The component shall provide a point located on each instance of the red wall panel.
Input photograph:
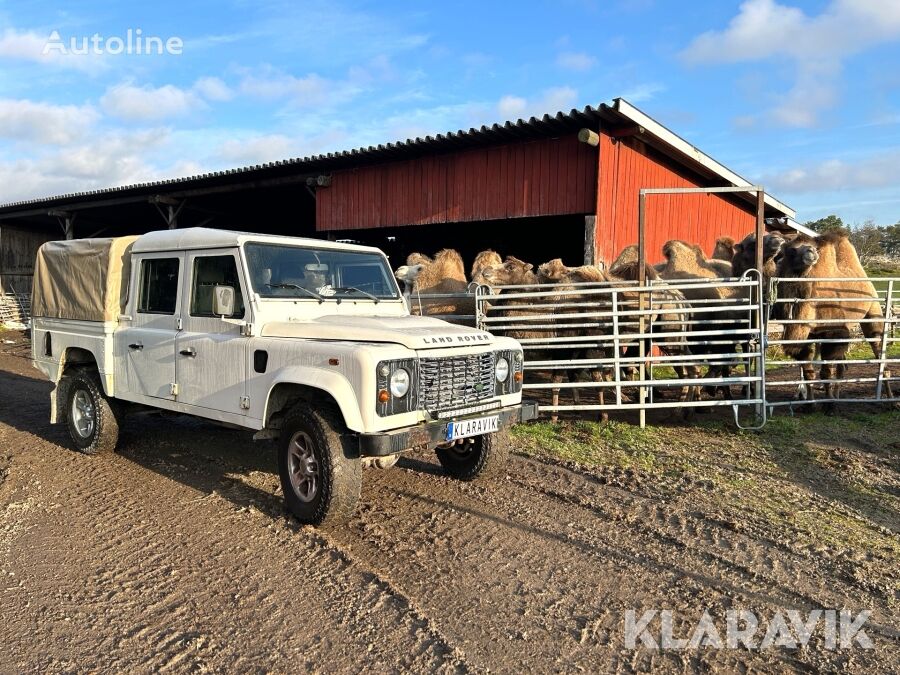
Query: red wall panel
(553, 176)
(625, 167)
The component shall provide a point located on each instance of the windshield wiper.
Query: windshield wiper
(350, 289)
(299, 288)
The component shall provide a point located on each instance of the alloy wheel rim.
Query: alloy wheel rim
(83, 414)
(303, 467)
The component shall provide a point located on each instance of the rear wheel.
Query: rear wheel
(90, 417)
(320, 475)
(484, 456)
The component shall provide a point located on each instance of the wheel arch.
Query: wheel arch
(329, 389)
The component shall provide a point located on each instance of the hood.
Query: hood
(414, 332)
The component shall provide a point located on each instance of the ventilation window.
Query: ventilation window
(48, 344)
(260, 360)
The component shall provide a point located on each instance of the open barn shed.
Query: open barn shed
(495, 187)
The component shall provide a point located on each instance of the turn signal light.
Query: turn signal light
(384, 396)
(518, 377)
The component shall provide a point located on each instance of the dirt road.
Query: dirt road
(175, 555)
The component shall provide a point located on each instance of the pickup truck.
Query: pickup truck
(304, 341)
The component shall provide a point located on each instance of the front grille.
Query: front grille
(455, 381)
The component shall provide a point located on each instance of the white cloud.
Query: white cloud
(102, 159)
(578, 61)
(24, 120)
(643, 92)
(213, 89)
(310, 90)
(133, 103)
(875, 171)
(256, 149)
(511, 107)
(550, 102)
(817, 46)
(29, 46)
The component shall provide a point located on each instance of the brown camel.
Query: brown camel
(443, 274)
(724, 249)
(488, 258)
(830, 255)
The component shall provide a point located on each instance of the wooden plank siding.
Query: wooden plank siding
(553, 176)
(626, 166)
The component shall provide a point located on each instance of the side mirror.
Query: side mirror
(223, 300)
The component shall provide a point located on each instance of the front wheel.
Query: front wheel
(90, 418)
(482, 456)
(320, 478)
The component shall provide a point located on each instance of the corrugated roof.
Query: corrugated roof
(534, 127)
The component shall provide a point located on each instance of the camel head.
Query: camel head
(745, 252)
(552, 271)
(512, 272)
(675, 249)
(484, 259)
(724, 249)
(798, 257)
(408, 274)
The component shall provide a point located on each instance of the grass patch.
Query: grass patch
(825, 482)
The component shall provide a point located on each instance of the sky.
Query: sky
(801, 96)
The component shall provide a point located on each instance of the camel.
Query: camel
(445, 273)
(829, 255)
(488, 258)
(724, 249)
(629, 255)
(684, 261)
(745, 254)
(554, 271)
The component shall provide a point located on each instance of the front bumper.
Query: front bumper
(431, 434)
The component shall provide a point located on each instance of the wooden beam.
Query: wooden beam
(590, 240)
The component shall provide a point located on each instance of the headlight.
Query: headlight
(399, 382)
(501, 369)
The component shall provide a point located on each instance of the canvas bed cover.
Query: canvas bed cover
(82, 279)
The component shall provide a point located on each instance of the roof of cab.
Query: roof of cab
(203, 237)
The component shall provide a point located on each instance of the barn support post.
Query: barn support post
(590, 240)
(642, 281)
(66, 222)
(173, 208)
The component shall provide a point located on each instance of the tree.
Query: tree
(866, 239)
(890, 241)
(827, 224)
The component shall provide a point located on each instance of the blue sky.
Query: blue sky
(802, 96)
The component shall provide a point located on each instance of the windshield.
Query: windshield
(278, 271)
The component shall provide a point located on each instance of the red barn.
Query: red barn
(529, 188)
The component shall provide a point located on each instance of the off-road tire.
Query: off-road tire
(486, 457)
(339, 467)
(105, 433)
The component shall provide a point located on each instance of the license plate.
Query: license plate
(475, 427)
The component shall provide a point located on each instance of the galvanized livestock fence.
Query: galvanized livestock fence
(864, 351)
(682, 345)
(627, 346)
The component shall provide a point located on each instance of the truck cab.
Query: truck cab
(304, 341)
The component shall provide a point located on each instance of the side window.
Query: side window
(159, 286)
(209, 272)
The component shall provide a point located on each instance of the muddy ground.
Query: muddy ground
(175, 554)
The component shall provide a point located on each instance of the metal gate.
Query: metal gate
(626, 346)
(871, 364)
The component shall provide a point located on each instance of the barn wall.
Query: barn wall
(554, 176)
(18, 249)
(627, 166)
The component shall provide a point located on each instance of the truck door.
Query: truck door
(148, 345)
(211, 353)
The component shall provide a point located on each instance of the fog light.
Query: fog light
(384, 396)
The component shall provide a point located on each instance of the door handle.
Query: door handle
(135, 345)
(190, 351)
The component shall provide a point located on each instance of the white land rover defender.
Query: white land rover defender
(302, 340)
